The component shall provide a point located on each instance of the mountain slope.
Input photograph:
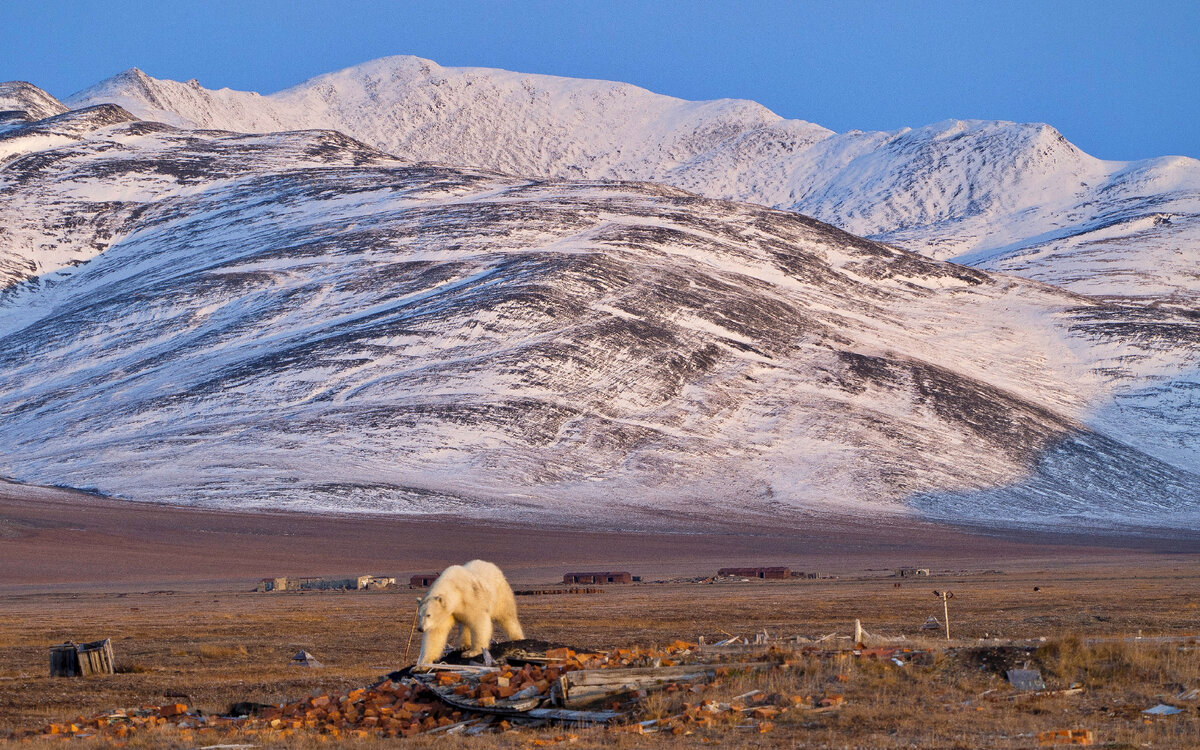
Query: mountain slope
(22, 102)
(298, 320)
(1002, 195)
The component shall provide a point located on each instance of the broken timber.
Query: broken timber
(527, 707)
(585, 687)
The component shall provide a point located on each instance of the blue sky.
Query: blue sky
(1118, 79)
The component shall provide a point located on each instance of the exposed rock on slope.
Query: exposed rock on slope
(298, 320)
(1001, 195)
(22, 102)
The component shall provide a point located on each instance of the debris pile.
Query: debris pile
(1067, 737)
(550, 686)
(755, 711)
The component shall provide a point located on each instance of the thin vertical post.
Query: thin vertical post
(946, 611)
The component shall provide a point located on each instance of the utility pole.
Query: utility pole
(945, 596)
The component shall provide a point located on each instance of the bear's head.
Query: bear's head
(432, 611)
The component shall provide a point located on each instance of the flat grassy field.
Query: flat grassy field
(187, 628)
(215, 647)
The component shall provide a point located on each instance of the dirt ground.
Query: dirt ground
(171, 588)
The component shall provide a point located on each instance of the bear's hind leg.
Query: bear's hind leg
(511, 627)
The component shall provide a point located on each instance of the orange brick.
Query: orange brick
(172, 709)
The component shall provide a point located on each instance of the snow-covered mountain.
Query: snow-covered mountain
(299, 320)
(22, 102)
(998, 195)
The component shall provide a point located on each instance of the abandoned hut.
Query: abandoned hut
(318, 584)
(422, 580)
(770, 574)
(604, 577)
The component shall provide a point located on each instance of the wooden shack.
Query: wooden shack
(83, 660)
(607, 576)
(422, 580)
(768, 574)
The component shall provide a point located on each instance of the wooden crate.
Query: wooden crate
(83, 660)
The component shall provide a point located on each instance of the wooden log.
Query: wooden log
(499, 708)
(651, 674)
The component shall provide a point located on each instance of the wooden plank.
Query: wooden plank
(584, 688)
(578, 717)
(651, 674)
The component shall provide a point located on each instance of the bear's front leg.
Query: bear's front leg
(433, 644)
(481, 635)
(465, 637)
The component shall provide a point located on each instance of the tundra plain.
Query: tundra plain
(172, 588)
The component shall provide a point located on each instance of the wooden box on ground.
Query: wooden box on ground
(83, 660)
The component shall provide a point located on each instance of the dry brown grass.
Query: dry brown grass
(211, 649)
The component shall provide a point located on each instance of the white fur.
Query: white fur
(473, 595)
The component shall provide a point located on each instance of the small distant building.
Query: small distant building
(769, 574)
(911, 572)
(324, 584)
(422, 580)
(603, 577)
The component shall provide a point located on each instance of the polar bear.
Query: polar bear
(473, 595)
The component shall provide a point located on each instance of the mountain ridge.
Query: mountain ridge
(1008, 196)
